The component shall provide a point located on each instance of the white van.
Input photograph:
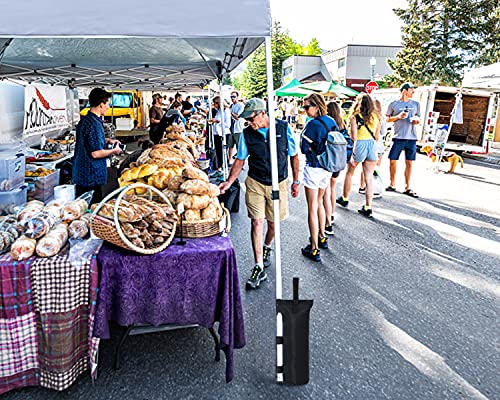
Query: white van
(478, 125)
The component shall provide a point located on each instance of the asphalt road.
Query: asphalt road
(406, 306)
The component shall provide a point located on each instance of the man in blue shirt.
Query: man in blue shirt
(89, 163)
(405, 114)
(254, 145)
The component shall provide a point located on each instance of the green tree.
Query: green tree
(227, 80)
(443, 37)
(312, 48)
(282, 46)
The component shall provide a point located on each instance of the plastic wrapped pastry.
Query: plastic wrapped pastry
(192, 215)
(23, 248)
(195, 186)
(194, 173)
(78, 229)
(39, 225)
(53, 242)
(193, 201)
(28, 210)
(74, 209)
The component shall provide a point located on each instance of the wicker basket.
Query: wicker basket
(112, 232)
(205, 228)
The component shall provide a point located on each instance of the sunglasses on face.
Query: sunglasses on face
(306, 106)
(250, 119)
(233, 97)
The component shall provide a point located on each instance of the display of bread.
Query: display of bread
(146, 223)
(198, 196)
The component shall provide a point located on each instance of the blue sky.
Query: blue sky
(337, 23)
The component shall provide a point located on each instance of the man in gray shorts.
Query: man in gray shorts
(405, 113)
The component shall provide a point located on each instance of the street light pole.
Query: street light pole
(373, 63)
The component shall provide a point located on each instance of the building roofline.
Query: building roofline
(361, 45)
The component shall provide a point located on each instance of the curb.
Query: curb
(486, 159)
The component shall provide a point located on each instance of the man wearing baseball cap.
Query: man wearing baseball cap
(405, 114)
(155, 115)
(254, 145)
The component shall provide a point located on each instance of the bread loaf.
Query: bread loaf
(23, 248)
(195, 186)
(194, 173)
(210, 212)
(193, 201)
(192, 215)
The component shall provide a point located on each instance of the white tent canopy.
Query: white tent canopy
(136, 49)
(487, 78)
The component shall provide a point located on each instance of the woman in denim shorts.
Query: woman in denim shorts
(365, 130)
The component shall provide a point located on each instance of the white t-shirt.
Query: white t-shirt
(227, 122)
(239, 124)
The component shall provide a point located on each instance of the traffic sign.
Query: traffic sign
(371, 86)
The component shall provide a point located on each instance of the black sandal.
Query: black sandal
(410, 193)
(390, 189)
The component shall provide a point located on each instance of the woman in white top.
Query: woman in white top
(217, 128)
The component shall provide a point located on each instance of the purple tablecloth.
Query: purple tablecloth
(192, 284)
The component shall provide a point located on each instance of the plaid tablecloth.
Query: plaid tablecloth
(47, 309)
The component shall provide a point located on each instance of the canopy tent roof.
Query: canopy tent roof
(330, 88)
(294, 82)
(179, 50)
(487, 77)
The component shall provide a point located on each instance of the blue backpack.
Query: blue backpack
(334, 158)
(350, 143)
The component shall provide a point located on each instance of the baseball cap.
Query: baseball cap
(407, 85)
(156, 96)
(252, 106)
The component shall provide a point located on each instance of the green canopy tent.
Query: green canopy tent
(294, 82)
(329, 88)
(293, 92)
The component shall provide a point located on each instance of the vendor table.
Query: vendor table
(47, 306)
(192, 284)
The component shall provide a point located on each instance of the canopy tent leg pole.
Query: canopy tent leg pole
(209, 118)
(276, 208)
(225, 169)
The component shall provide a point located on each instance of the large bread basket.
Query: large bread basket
(112, 232)
(205, 228)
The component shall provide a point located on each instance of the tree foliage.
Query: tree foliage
(443, 37)
(283, 46)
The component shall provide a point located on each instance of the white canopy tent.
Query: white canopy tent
(487, 78)
(167, 46)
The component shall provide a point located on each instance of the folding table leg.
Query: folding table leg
(120, 344)
(217, 343)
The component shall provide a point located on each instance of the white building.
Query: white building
(352, 65)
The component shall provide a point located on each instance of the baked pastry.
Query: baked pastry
(195, 186)
(74, 210)
(176, 182)
(193, 201)
(52, 243)
(23, 248)
(192, 215)
(39, 225)
(213, 190)
(194, 173)
(78, 229)
(210, 212)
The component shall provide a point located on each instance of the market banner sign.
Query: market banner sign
(44, 109)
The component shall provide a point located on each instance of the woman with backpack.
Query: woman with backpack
(316, 179)
(365, 130)
(334, 111)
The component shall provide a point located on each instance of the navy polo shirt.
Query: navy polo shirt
(88, 171)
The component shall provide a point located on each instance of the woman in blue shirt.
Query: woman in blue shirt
(316, 179)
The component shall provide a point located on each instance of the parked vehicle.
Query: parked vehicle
(473, 135)
(123, 104)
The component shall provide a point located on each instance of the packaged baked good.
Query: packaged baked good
(75, 209)
(23, 248)
(28, 210)
(195, 186)
(78, 229)
(194, 173)
(39, 225)
(53, 242)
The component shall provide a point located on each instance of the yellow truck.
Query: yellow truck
(123, 104)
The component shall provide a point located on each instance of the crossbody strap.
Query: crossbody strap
(361, 122)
